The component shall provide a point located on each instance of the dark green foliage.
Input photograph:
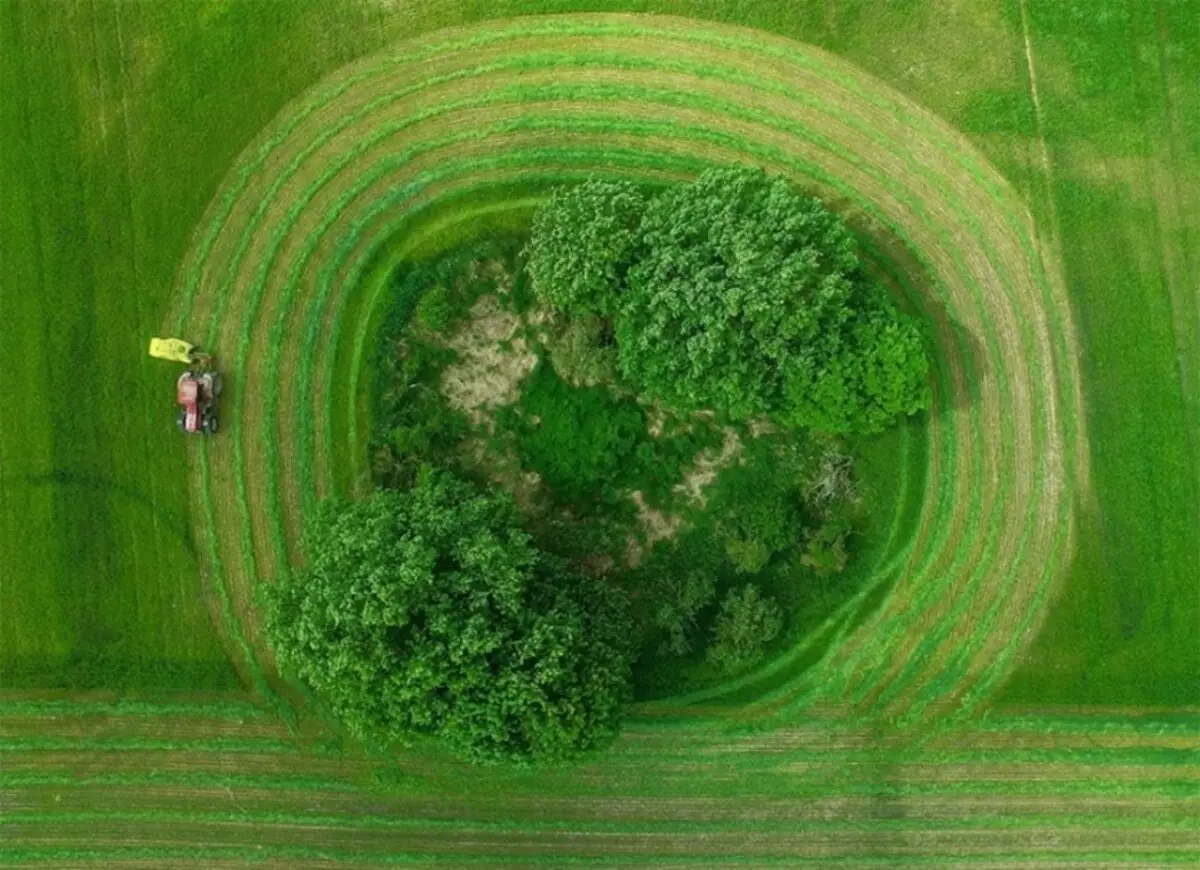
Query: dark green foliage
(430, 612)
(583, 351)
(761, 519)
(583, 241)
(757, 513)
(879, 373)
(590, 446)
(756, 505)
(747, 622)
(825, 547)
(414, 421)
(411, 422)
(681, 596)
(436, 310)
(733, 293)
(739, 277)
(574, 437)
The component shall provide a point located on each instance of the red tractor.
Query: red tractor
(197, 389)
(197, 394)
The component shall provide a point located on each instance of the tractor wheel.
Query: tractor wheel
(216, 385)
(181, 421)
(210, 424)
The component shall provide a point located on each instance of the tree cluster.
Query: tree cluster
(430, 612)
(732, 293)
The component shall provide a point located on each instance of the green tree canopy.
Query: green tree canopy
(747, 622)
(582, 242)
(429, 611)
(733, 293)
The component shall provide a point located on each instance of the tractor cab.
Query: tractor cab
(196, 393)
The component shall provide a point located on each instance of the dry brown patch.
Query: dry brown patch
(709, 463)
(656, 526)
(492, 362)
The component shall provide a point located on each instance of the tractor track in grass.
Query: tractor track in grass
(465, 840)
(298, 805)
(345, 167)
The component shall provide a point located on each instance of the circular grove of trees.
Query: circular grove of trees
(428, 609)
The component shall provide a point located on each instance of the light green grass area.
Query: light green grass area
(1121, 109)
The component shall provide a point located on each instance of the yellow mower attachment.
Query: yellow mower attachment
(177, 350)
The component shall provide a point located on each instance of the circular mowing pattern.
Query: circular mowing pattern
(274, 285)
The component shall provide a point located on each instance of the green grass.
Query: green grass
(1123, 629)
(99, 575)
(103, 184)
(117, 123)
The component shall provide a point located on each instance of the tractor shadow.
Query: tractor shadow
(231, 390)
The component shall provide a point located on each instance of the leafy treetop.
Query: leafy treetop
(429, 611)
(747, 622)
(583, 239)
(733, 293)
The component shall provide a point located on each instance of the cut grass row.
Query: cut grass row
(313, 859)
(83, 705)
(650, 762)
(311, 331)
(1117, 818)
(355, 788)
(558, 848)
(950, 801)
(222, 799)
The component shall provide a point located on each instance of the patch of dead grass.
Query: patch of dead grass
(708, 465)
(492, 361)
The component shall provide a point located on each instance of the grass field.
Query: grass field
(1018, 683)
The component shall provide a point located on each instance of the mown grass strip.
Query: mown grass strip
(203, 709)
(247, 814)
(1049, 858)
(119, 744)
(229, 620)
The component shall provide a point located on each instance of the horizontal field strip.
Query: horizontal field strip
(874, 820)
(346, 809)
(729, 765)
(965, 789)
(112, 831)
(69, 706)
(800, 805)
(663, 755)
(311, 859)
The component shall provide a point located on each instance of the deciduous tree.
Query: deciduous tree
(733, 293)
(430, 612)
(748, 621)
(583, 240)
